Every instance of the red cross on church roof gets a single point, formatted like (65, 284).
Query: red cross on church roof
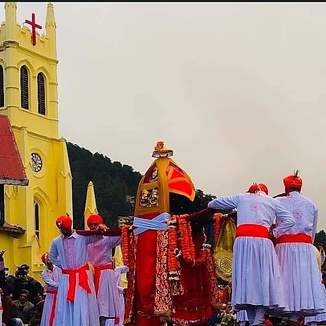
(11, 166)
(34, 26)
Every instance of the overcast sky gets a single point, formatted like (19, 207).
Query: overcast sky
(237, 90)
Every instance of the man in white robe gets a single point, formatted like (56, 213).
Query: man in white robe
(50, 276)
(76, 301)
(256, 279)
(305, 294)
(106, 288)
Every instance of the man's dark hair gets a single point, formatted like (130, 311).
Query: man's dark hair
(24, 291)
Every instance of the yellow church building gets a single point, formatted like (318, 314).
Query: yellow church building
(28, 97)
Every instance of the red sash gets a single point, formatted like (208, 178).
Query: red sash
(97, 274)
(83, 281)
(252, 230)
(292, 238)
(54, 302)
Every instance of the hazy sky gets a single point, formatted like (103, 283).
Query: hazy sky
(238, 90)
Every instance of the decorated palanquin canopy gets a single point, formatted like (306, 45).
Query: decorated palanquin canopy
(163, 177)
(181, 284)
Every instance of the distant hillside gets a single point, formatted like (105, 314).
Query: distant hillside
(113, 183)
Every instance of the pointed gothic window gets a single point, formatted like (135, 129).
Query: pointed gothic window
(41, 93)
(24, 87)
(37, 219)
(2, 93)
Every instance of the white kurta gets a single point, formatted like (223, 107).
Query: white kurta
(242, 317)
(256, 278)
(51, 279)
(320, 318)
(71, 253)
(120, 302)
(100, 254)
(298, 262)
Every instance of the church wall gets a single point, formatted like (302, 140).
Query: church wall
(50, 187)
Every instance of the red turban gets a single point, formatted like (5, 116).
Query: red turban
(95, 219)
(258, 187)
(45, 257)
(292, 182)
(253, 188)
(64, 222)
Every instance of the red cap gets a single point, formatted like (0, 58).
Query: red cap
(292, 182)
(45, 257)
(95, 219)
(258, 187)
(64, 222)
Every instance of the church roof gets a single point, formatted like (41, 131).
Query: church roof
(12, 171)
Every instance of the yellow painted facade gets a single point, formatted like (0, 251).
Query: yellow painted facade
(49, 189)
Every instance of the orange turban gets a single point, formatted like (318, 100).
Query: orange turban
(292, 182)
(64, 222)
(45, 257)
(95, 219)
(258, 187)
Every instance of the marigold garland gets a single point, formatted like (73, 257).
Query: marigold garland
(125, 244)
(172, 249)
(186, 243)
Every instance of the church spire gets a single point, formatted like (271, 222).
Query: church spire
(50, 27)
(50, 20)
(10, 12)
(90, 205)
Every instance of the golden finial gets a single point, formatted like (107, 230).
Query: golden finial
(161, 151)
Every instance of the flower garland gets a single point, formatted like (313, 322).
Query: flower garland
(173, 250)
(187, 245)
(125, 244)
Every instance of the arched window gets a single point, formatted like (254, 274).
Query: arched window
(41, 93)
(24, 87)
(37, 219)
(2, 93)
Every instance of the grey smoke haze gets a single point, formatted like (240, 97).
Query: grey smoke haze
(238, 90)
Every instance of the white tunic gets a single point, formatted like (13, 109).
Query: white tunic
(298, 261)
(71, 253)
(51, 279)
(119, 298)
(100, 254)
(256, 279)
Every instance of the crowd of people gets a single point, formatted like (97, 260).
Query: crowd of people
(22, 296)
